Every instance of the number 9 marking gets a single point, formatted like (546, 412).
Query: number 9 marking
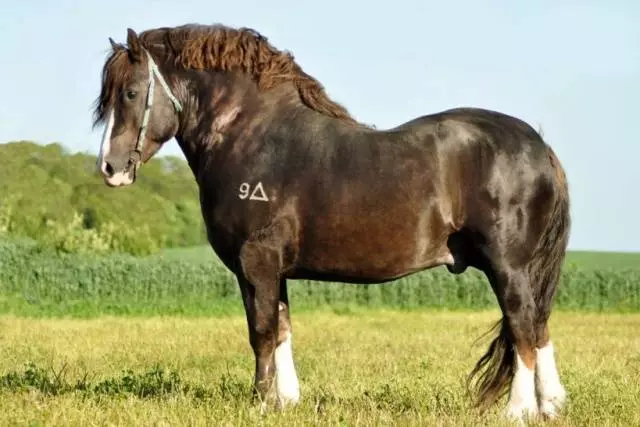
(244, 190)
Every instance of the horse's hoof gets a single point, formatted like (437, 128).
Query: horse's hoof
(552, 405)
(521, 413)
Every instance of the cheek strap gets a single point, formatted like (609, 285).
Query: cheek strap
(154, 72)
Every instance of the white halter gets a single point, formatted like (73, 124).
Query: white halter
(153, 71)
(135, 156)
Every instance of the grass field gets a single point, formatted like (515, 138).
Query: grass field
(603, 260)
(585, 259)
(40, 282)
(368, 368)
(126, 341)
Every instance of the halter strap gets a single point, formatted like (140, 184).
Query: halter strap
(153, 72)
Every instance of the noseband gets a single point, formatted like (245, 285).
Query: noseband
(136, 154)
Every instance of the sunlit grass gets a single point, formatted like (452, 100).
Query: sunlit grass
(370, 367)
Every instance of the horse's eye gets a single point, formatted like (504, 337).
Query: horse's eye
(131, 95)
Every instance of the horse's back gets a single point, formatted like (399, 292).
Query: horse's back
(485, 151)
(481, 120)
(460, 168)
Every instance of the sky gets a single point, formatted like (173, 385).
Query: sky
(570, 68)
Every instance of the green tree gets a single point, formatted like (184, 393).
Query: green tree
(45, 186)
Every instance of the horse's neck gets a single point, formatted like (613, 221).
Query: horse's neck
(220, 108)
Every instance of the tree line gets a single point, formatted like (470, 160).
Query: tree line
(58, 198)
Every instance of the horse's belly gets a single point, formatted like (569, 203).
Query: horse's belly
(374, 246)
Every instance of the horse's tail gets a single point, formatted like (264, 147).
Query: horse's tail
(497, 366)
(548, 258)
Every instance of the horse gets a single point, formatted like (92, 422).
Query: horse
(291, 186)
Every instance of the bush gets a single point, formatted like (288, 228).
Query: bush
(74, 237)
(44, 189)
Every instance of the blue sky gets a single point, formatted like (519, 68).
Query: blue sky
(571, 68)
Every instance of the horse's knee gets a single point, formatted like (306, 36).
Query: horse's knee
(260, 263)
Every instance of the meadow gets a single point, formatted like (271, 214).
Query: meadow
(161, 339)
(378, 367)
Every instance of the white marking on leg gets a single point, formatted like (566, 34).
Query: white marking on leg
(552, 393)
(522, 398)
(287, 385)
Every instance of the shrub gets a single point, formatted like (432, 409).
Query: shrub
(75, 237)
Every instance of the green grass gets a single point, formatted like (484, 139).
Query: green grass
(604, 260)
(35, 281)
(592, 260)
(371, 368)
(366, 355)
(197, 254)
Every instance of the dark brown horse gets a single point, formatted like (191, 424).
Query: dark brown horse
(292, 187)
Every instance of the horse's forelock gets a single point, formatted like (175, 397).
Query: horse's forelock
(115, 72)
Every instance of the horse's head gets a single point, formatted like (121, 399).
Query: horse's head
(139, 108)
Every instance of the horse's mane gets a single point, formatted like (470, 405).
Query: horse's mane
(217, 47)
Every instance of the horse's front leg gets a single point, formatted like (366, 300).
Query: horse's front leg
(268, 319)
(287, 385)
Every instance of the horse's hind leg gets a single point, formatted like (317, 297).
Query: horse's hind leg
(551, 392)
(514, 291)
(510, 361)
(524, 286)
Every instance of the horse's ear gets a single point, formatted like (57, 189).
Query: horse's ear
(135, 47)
(115, 46)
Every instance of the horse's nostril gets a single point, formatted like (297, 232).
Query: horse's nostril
(108, 169)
